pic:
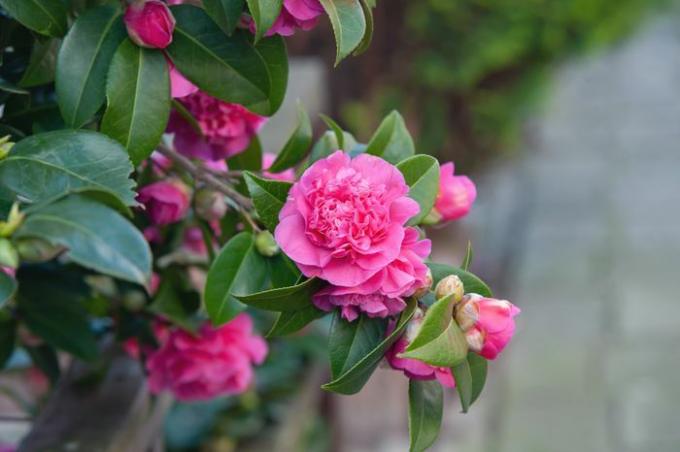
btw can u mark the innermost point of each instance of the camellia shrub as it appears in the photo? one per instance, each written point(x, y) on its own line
point(139, 205)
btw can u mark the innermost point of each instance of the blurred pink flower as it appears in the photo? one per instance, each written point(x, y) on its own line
point(295, 14)
point(267, 160)
point(180, 86)
point(216, 361)
point(488, 323)
point(351, 304)
point(456, 195)
point(149, 23)
point(227, 128)
point(344, 219)
point(166, 202)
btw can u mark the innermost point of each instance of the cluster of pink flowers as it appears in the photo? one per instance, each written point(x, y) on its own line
point(213, 362)
point(344, 222)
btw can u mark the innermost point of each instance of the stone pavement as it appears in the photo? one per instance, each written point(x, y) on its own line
point(583, 233)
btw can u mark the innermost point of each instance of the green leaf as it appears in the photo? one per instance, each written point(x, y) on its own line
point(472, 283)
point(83, 63)
point(349, 342)
point(351, 381)
point(392, 141)
point(264, 13)
point(463, 377)
point(282, 271)
point(290, 322)
point(478, 369)
point(225, 13)
point(47, 17)
point(45, 358)
point(138, 93)
point(425, 409)
point(11, 88)
point(169, 303)
point(250, 159)
point(297, 146)
point(268, 197)
point(8, 287)
point(368, 35)
point(49, 165)
point(8, 328)
point(421, 173)
point(467, 260)
point(337, 130)
point(42, 65)
point(53, 312)
point(325, 146)
point(284, 299)
point(230, 68)
point(95, 235)
point(439, 341)
point(238, 269)
point(349, 25)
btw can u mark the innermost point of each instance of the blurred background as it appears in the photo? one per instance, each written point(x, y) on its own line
point(566, 114)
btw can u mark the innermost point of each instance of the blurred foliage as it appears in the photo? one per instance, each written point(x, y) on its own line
point(467, 72)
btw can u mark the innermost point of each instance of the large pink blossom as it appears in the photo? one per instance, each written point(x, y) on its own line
point(488, 323)
point(217, 361)
point(267, 160)
point(382, 294)
point(295, 14)
point(149, 23)
point(226, 128)
point(180, 86)
point(344, 219)
point(412, 368)
point(166, 202)
point(456, 194)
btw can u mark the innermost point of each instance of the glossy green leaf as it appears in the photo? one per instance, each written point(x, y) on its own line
point(225, 13)
point(290, 322)
point(7, 337)
point(283, 299)
point(53, 311)
point(425, 409)
point(230, 68)
point(8, 287)
point(392, 141)
point(49, 165)
point(95, 236)
point(264, 14)
point(250, 159)
point(368, 35)
point(42, 65)
point(83, 63)
point(169, 303)
point(478, 370)
point(463, 377)
point(238, 269)
point(472, 283)
point(268, 197)
point(138, 94)
point(421, 173)
point(297, 146)
point(47, 17)
point(349, 25)
point(439, 341)
point(352, 380)
point(282, 271)
point(349, 342)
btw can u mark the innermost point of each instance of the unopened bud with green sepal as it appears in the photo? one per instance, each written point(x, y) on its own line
point(266, 245)
point(448, 285)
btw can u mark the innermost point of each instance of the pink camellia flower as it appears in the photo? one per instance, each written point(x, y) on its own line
point(344, 219)
point(412, 368)
point(267, 160)
point(456, 195)
point(382, 294)
point(180, 86)
point(488, 323)
point(227, 128)
point(217, 361)
point(295, 14)
point(166, 201)
point(149, 23)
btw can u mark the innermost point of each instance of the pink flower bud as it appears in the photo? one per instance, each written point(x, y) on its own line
point(456, 195)
point(209, 204)
point(149, 23)
point(166, 201)
point(488, 323)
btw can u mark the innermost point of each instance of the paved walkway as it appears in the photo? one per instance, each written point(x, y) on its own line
point(585, 230)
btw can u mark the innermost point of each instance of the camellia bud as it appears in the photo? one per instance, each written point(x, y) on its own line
point(36, 250)
point(450, 285)
point(149, 23)
point(265, 244)
point(5, 146)
point(134, 300)
point(467, 312)
point(14, 220)
point(209, 204)
point(8, 254)
point(420, 293)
